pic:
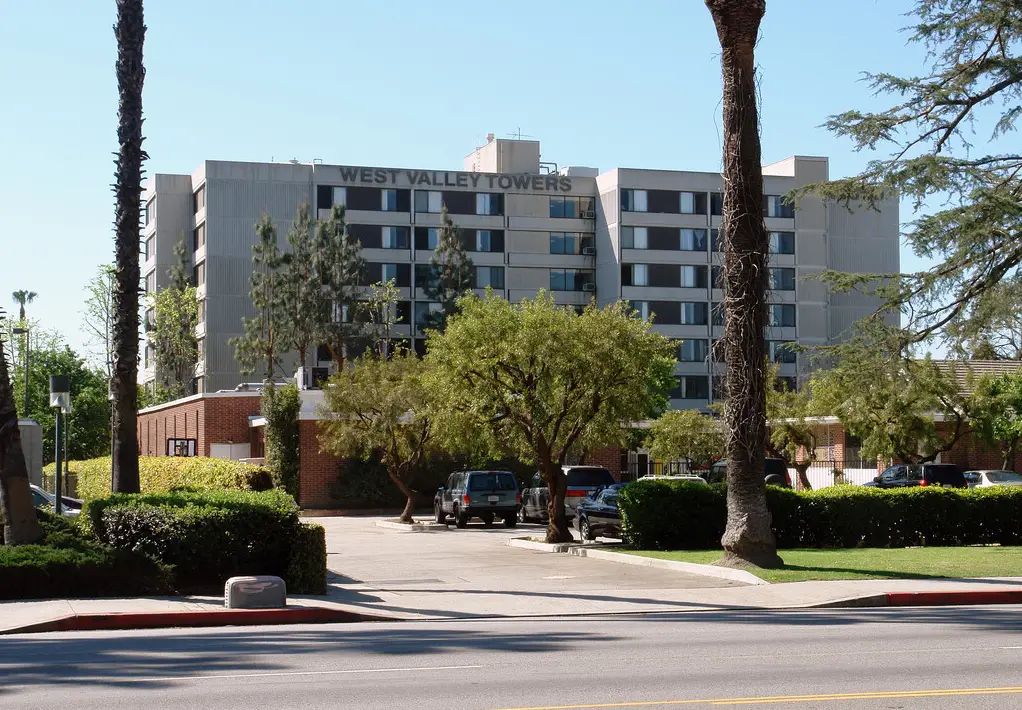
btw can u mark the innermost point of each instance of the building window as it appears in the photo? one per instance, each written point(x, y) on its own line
point(181, 447)
point(693, 240)
point(634, 275)
point(718, 314)
point(422, 311)
point(199, 198)
point(150, 282)
point(693, 203)
point(694, 313)
point(693, 277)
point(395, 238)
point(150, 212)
point(691, 387)
point(719, 388)
point(487, 203)
point(388, 200)
point(716, 204)
point(782, 351)
point(200, 316)
point(199, 274)
point(641, 308)
point(150, 316)
point(484, 240)
point(389, 272)
point(782, 279)
point(570, 243)
point(572, 207)
point(492, 276)
point(200, 349)
point(426, 238)
point(426, 276)
point(782, 315)
point(199, 237)
point(634, 238)
point(693, 350)
point(150, 247)
point(571, 280)
point(634, 201)
point(428, 201)
point(774, 206)
point(716, 244)
point(716, 273)
point(782, 242)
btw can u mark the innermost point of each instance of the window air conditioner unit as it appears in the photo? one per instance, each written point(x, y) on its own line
point(588, 214)
point(589, 287)
point(589, 251)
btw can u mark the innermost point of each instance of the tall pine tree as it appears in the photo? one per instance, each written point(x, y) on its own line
point(452, 273)
point(263, 343)
point(341, 270)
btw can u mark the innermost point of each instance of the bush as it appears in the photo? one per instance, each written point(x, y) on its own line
point(159, 474)
point(207, 537)
point(666, 515)
point(281, 408)
point(306, 568)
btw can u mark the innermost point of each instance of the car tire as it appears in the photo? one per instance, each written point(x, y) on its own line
point(487, 520)
point(510, 522)
point(441, 516)
point(584, 531)
point(460, 519)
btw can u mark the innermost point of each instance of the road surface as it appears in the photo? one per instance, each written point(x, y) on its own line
point(965, 657)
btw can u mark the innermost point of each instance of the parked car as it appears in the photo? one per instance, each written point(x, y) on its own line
point(988, 479)
point(486, 495)
point(582, 482)
point(70, 507)
point(598, 515)
point(775, 472)
point(925, 474)
point(673, 477)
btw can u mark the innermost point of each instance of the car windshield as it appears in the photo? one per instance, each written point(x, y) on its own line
point(492, 482)
point(1003, 477)
point(590, 477)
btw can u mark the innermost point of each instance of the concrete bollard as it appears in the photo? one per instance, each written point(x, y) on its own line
point(261, 592)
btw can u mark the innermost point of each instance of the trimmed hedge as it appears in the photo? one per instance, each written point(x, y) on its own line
point(207, 537)
point(671, 515)
point(159, 474)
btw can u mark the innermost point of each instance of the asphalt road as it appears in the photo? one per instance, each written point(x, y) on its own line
point(966, 657)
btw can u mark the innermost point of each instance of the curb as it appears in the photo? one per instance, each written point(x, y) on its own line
point(413, 527)
point(541, 546)
point(122, 621)
point(935, 598)
point(734, 575)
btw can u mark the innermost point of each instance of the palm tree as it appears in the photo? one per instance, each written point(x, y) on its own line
point(130, 34)
point(20, 523)
point(748, 537)
point(22, 298)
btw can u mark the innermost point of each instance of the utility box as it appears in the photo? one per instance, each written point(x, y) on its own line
point(260, 592)
point(32, 446)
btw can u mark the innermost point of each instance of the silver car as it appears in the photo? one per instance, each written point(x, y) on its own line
point(986, 478)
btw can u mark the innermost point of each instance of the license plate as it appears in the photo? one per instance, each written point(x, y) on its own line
point(493, 499)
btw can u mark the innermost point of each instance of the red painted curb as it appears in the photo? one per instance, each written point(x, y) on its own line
point(1002, 596)
point(194, 619)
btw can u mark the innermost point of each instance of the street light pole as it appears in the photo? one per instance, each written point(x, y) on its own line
point(60, 399)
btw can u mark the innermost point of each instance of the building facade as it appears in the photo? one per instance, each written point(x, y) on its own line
point(648, 236)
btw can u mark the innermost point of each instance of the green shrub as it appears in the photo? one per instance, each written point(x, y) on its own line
point(306, 567)
point(206, 537)
point(281, 408)
point(159, 474)
point(671, 515)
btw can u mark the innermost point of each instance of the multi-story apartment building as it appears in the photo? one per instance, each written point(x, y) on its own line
point(648, 236)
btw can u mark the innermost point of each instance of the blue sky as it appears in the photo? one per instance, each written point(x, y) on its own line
point(400, 83)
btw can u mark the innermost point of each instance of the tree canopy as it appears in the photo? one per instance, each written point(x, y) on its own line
point(171, 332)
point(686, 435)
point(452, 274)
point(997, 415)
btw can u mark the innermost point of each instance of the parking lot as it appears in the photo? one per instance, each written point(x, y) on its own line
point(473, 572)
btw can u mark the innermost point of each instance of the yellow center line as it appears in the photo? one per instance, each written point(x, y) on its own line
point(882, 695)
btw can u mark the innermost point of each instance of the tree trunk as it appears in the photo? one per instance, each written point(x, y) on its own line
point(803, 479)
point(406, 514)
point(748, 538)
point(20, 523)
point(557, 483)
point(1008, 464)
point(130, 33)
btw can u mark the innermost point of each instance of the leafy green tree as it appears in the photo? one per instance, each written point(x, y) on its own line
point(129, 32)
point(19, 518)
point(379, 316)
point(98, 313)
point(281, 408)
point(686, 435)
point(381, 406)
point(993, 329)
point(172, 329)
point(792, 431)
point(538, 381)
point(972, 83)
point(890, 399)
point(301, 288)
point(262, 345)
point(341, 270)
point(452, 273)
point(997, 415)
point(748, 537)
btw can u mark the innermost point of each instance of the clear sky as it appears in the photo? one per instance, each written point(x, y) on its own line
point(402, 83)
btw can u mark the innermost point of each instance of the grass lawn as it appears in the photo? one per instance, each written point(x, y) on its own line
point(873, 563)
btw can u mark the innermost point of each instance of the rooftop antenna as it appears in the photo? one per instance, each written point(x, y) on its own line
point(518, 135)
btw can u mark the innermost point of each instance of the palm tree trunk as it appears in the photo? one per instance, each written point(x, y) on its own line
point(20, 523)
point(748, 537)
point(130, 33)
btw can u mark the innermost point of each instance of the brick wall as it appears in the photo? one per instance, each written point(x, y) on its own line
point(609, 457)
point(319, 469)
point(207, 419)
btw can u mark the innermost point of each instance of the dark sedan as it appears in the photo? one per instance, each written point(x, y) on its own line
point(598, 515)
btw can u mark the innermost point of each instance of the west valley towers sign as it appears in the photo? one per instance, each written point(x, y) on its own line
point(440, 179)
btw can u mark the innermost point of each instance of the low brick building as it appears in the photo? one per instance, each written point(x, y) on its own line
point(212, 424)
